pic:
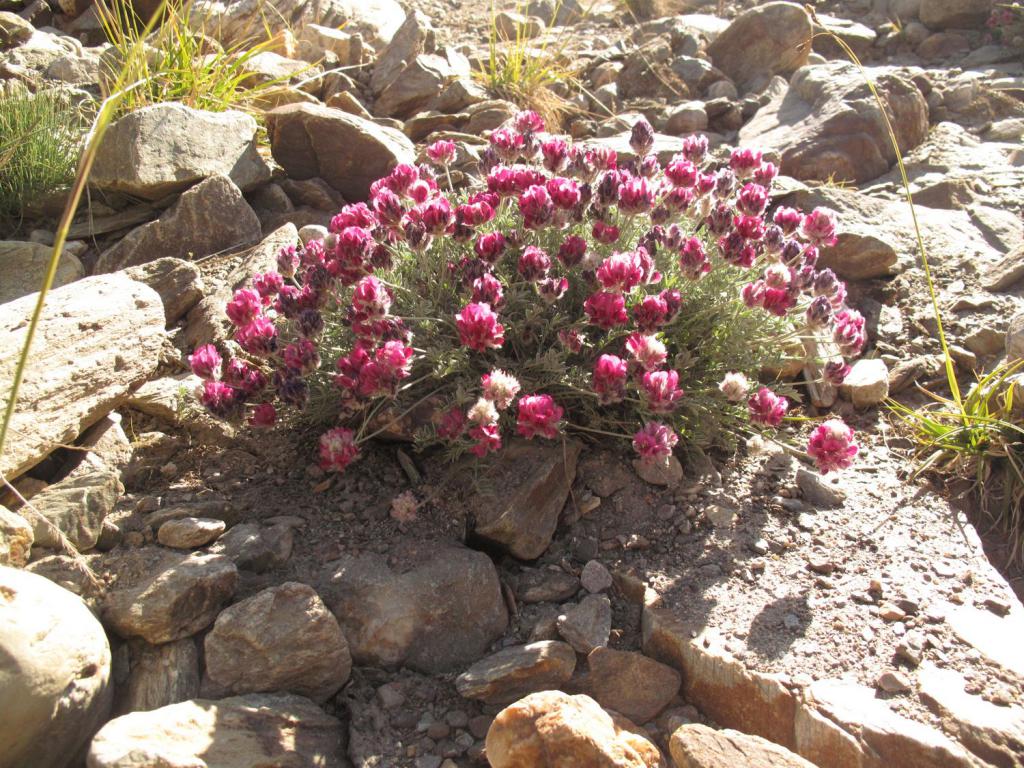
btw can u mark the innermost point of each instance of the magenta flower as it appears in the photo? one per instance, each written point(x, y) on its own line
point(819, 227)
point(452, 424)
point(487, 290)
point(528, 121)
point(357, 215)
point(263, 416)
point(681, 172)
point(442, 152)
point(605, 233)
point(650, 314)
point(832, 446)
point(219, 399)
point(609, 379)
point(661, 390)
point(673, 300)
point(479, 328)
point(767, 408)
point(636, 195)
point(555, 152)
point(507, 143)
point(572, 250)
point(489, 246)
point(752, 200)
point(244, 306)
point(789, 219)
point(338, 449)
point(693, 261)
point(641, 137)
point(538, 415)
point(534, 264)
point(371, 298)
point(551, 289)
point(205, 362)
point(621, 272)
point(349, 366)
point(487, 439)
point(695, 148)
point(571, 339)
point(766, 174)
point(565, 193)
point(654, 442)
point(536, 207)
point(606, 310)
point(744, 162)
point(849, 332)
point(246, 378)
point(258, 337)
point(268, 285)
point(287, 261)
point(396, 357)
point(836, 371)
point(749, 228)
point(436, 216)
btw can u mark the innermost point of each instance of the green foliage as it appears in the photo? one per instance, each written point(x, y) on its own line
point(178, 61)
point(40, 140)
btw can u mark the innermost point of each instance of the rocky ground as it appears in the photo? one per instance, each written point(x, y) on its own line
point(745, 611)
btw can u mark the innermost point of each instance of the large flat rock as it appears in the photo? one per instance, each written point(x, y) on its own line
point(97, 338)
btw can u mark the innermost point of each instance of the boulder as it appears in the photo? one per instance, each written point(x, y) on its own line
point(178, 282)
point(629, 683)
point(346, 151)
point(15, 539)
point(165, 148)
point(238, 732)
point(55, 687)
point(697, 746)
point(771, 39)
point(96, 339)
point(438, 608)
point(209, 218)
point(418, 87)
point(23, 266)
point(524, 497)
point(160, 675)
point(415, 36)
point(827, 125)
point(190, 532)
point(14, 30)
point(514, 672)
point(954, 14)
point(282, 639)
point(552, 729)
point(75, 507)
point(587, 625)
point(859, 37)
point(163, 595)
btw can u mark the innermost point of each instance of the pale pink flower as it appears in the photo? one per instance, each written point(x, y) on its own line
point(734, 386)
point(661, 390)
point(647, 351)
point(832, 446)
point(500, 388)
point(338, 449)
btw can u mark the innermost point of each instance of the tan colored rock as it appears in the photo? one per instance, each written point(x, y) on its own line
point(282, 639)
point(274, 731)
point(588, 624)
point(514, 672)
point(163, 595)
point(346, 151)
point(826, 125)
point(97, 338)
point(438, 608)
point(179, 283)
point(55, 687)
point(75, 507)
point(190, 533)
point(524, 497)
point(23, 265)
point(771, 39)
point(160, 675)
point(629, 683)
point(207, 219)
point(955, 14)
point(698, 746)
point(415, 36)
point(867, 384)
point(15, 539)
point(553, 729)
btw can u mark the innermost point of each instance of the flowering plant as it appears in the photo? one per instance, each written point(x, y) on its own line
point(571, 291)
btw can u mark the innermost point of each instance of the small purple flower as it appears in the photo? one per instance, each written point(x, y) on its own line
point(641, 137)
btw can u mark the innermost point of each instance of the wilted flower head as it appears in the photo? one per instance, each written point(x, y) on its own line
point(404, 506)
point(500, 388)
point(752, 199)
point(767, 408)
point(551, 289)
point(695, 148)
point(528, 121)
point(734, 386)
point(565, 193)
point(646, 351)
point(836, 371)
point(263, 416)
point(338, 449)
point(534, 264)
point(219, 399)
point(654, 442)
point(571, 339)
point(482, 412)
point(832, 446)
point(572, 250)
point(538, 415)
point(819, 313)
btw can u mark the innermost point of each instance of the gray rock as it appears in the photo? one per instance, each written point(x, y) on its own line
point(190, 532)
point(254, 730)
point(954, 14)
point(524, 496)
point(54, 673)
point(282, 639)
point(178, 282)
point(539, 586)
point(346, 151)
point(256, 548)
point(595, 577)
point(23, 266)
point(685, 118)
point(816, 491)
point(827, 124)
point(437, 609)
point(518, 671)
point(160, 675)
point(209, 218)
point(163, 595)
point(859, 37)
point(771, 39)
point(1008, 271)
point(76, 507)
point(587, 626)
point(668, 473)
point(416, 88)
point(15, 539)
point(165, 148)
point(415, 36)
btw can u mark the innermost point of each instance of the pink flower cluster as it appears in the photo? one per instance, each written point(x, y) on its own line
point(600, 247)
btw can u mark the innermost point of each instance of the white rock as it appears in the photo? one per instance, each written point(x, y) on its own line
point(867, 383)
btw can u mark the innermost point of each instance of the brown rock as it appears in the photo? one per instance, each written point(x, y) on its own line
point(552, 729)
point(178, 282)
point(190, 533)
point(587, 625)
point(15, 539)
point(160, 675)
point(629, 683)
point(282, 639)
point(75, 507)
point(346, 151)
point(514, 672)
point(826, 125)
point(524, 497)
point(698, 746)
point(771, 39)
point(97, 338)
point(540, 586)
point(437, 609)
